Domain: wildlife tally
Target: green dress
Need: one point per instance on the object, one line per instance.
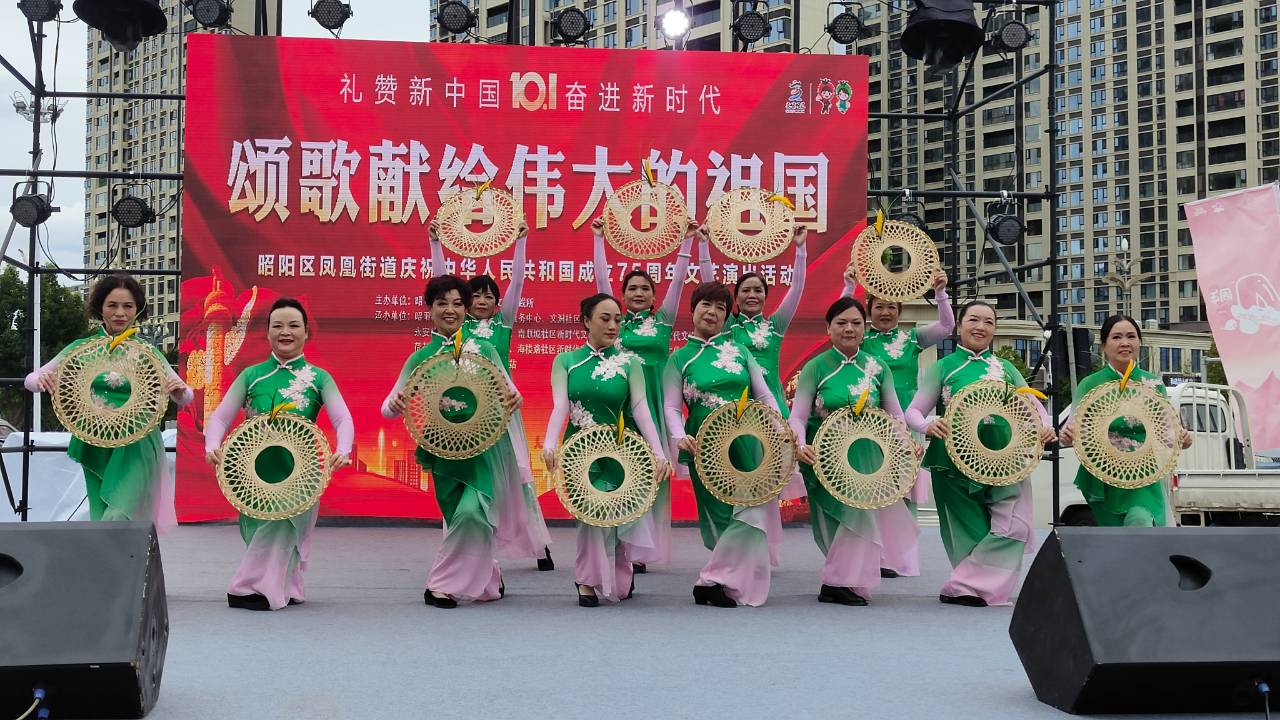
(648, 335)
(124, 483)
(763, 337)
(900, 350)
(1112, 506)
(494, 331)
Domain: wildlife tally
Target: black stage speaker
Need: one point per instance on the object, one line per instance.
(1151, 620)
(83, 615)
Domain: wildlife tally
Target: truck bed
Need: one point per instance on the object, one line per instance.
(1236, 490)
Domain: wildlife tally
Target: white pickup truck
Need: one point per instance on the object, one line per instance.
(1218, 481)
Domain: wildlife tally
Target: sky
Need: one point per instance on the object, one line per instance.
(371, 20)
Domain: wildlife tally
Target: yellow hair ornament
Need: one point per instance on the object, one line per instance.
(115, 341)
(1124, 380)
(862, 400)
(647, 170)
(281, 408)
(742, 401)
(782, 199)
(1032, 392)
(480, 190)
(457, 344)
(622, 427)
(879, 222)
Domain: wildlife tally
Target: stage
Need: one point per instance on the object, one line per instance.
(365, 646)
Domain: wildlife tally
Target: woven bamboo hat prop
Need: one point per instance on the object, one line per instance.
(496, 209)
(606, 508)
(662, 213)
(715, 466)
(122, 364)
(437, 396)
(751, 225)
(868, 260)
(966, 412)
(1150, 460)
(885, 485)
(266, 440)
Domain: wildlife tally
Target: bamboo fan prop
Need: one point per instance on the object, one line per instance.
(1148, 461)
(909, 283)
(714, 461)
(456, 407)
(968, 411)
(879, 488)
(751, 225)
(496, 209)
(274, 468)
(593, 505)
(662, 214)
(110, 391)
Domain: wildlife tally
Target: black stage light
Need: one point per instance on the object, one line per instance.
(455, 17)
(1005, 228)
(750, 26)
(569, 25)
(40, 10)
(331, 14)
(211, 13)
(1011, 37)
(32, 207)
(132, 211)
(124, 23)
(846, 28)
(942, 32)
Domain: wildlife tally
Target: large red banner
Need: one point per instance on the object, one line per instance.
(314, 166)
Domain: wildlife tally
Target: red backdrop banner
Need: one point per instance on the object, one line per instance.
(314, 166)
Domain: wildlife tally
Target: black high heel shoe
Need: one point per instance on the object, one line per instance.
(713, 595)
(587, 600)
(444, 603)
(248, 602)
(965, 600)
(639, 568)
(840, 596)
(545, 563)
(887, 573)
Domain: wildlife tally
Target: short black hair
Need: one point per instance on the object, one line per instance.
(712, 292)
(844, 303)
(973, 304)
(484, 282)
(872, 300)
(288, 302)
(589, 303)
(639, 273)
(116, 281)
(747, 276)
(438, 286)
(1111, 322)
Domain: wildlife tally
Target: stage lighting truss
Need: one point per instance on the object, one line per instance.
(1011, 37)
(1003, 224)
(455, 17)
(674, 24)
(211, 13)
(31, 206)
(847, 27)
(750, 26)
(131, 210)
(569, 26)
(40, 10)
(330, 14)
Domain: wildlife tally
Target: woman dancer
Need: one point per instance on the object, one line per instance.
(270, 573)
(985, 529)
(1113, 506)
(712, 370)
(594, 385)
(129, 482)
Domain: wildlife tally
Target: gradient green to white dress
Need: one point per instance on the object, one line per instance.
(1113, 506)
(472, 493)
(700, 377)
(523, 532)
(850, 538)
(128, 483)
(647, 334)
(986, 530)
(593, 386)
(278, 551)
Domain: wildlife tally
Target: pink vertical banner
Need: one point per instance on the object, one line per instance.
(1236, 237)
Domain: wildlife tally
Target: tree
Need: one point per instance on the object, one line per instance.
(1216, 372)
(63, 319)
(1008, 353)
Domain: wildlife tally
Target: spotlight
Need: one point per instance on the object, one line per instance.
(211, 13)
(674, 24)
(846, 28)
(913, 219)
(331, 14)
(40, 10)
(569, 25)
(455, 17)
(32, 207)
(124, 23)
(750, 26)
(1011, 37)
(942, 32)
(132, 211)
(1005, 228)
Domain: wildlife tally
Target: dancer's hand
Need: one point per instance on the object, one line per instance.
(213, 457)
(549, 459)
(513, 402)
(523, 232)
(805, 454)
(939, 428)
(47, 381)
(397, 403)
(597, 226)
(1184, 438)
(940, 281)
(433, 231)
(174, 384)
(337, 461)
(1068, 436)
(800, 234)
(661, 469)
(1047, 435)
(686, 444)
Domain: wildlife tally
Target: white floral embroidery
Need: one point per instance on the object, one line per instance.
(727, 358)
(295, 392)
(612, 366)
(483, 329)
(820, 406)
(899, 344)
(580, 416)
(946, 395)
(647, 327)
(471, 346)
(1123, 443)
(114, 379)
(759, 333)
(693, 395)
(100, 402)
(1151, 382)
(447, 403)
(995, 368)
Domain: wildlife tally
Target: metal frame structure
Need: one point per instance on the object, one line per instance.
(952, 117)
